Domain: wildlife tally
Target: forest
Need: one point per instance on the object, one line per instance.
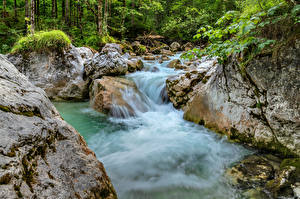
(150, 99)
(94, 22)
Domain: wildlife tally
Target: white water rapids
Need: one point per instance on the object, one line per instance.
(157, 154)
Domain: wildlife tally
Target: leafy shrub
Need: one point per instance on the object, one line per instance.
(97, 42)
(236, 33)
(54, 40)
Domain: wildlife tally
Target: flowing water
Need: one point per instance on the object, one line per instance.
(156, 154)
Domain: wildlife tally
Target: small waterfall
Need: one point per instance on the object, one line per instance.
(154, 153)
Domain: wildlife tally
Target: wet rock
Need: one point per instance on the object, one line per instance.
(60, 75)
(266, 176)
(135, 65)
(257, 105)
(117, 97)
(138, 48)
(188, 46)
(174, 63)
(175, 46)
(41, 156)
(251, 172)
(180, 88)
(149, 57)
(166, 52)
(164, 95)
(108, 62)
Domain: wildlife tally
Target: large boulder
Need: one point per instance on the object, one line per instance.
(258, 105)
(60, 75)
(118, 97)
(110, 62)
(41, 156)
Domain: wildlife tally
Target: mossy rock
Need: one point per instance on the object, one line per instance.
(54, 40)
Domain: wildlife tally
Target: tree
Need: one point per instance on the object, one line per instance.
(100, 18)
(32, 16)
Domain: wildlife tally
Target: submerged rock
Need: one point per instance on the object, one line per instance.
(117, 97)
(264, 176)
(258, 105)
(60, 75)
(41, 156)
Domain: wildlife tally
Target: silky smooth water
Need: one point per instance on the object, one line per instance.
(157, 154)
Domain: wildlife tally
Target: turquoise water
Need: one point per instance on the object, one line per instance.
(157, 154)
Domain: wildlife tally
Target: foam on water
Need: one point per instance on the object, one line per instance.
(157, 154)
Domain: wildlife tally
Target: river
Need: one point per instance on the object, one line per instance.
(157, 154)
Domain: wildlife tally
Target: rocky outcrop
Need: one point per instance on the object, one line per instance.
(60, 75)
(118, 97)
(258, 104)
(41, 156)
(110, 62)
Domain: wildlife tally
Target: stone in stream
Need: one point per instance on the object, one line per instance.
(60, 75)
(41, 156)
(265, 176)
(175, 46)
(135, 65)
(149, 57)
(257, 105)
(118, 97)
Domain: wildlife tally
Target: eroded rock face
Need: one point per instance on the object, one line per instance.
(41, 156)
(59, 75)
(259, 106)
(118, 97)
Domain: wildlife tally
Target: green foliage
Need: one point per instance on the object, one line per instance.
(54, 40)
(96, 41)
(235, 33)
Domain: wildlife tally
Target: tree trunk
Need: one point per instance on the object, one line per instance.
(105, 17)
(32, 17)
(56, 9)
(4, 9)
(44, 8)
(67, 20)
(53, 8)
(132, 16)
(100, 19)
(15, 10)
(63, 8)
(26, 16)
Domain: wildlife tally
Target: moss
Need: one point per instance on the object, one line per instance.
(295, 162)
(4, 108)
(17, 190)
(54, 40)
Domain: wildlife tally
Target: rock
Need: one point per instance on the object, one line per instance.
(266, 176)
(41, 156)
(60, 75)
(188, 46)
(138, 48)
(108, 62)
(258, 106)
(296, 189)
(164, 95)
(180, 88)
(149, 57)
(251, 172)
(156, 51)
(175, 46)
(117, 97)
(135, 65)
(166, 52)
(174, 63)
